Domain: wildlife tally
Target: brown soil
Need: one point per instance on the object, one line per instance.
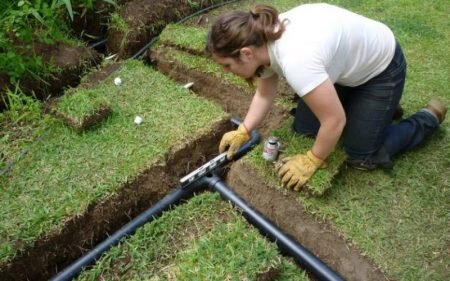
(92, 24)
(145, 19)
(103, 72)
(93, 78)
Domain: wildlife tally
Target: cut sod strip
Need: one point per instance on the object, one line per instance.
(83, 109)
(188, 38)
(204, 65)
(185, 44)
(67, 172)
(210, 81)
(292, 144)
(204, 239)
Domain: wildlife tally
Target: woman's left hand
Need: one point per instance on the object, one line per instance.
(295, 171)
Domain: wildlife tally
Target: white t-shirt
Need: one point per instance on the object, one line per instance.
(323, 41)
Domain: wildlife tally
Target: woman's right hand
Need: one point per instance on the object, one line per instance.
(234, 140)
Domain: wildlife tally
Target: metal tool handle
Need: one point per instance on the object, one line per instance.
(221, 160)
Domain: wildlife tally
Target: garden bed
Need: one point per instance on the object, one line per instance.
(366, 226)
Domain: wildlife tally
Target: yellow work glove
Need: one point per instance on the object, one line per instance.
(233, 140)
(295, 171)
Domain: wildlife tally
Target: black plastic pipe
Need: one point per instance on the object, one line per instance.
(98, 44)
(286, 244)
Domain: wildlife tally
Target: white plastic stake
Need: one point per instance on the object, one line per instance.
(137, 120)
(189, 85)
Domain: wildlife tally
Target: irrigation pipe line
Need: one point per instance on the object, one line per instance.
(198, 180)
(174, 198)
(10, 165)
(98, 43)
(24, 151)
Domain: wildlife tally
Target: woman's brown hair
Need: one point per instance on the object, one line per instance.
(235, 30)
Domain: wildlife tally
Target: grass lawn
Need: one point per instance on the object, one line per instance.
(21, 127)
(186, 44)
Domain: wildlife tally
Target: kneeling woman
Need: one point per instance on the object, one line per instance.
(348, 70)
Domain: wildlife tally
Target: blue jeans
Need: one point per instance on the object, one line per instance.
(368, 134)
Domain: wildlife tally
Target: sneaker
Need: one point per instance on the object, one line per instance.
(380, 159)
(398, 114)
(293, 111)
(368, 165)
(437, 108)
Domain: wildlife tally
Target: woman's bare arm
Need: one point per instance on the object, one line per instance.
(326, 106)
(261, 103)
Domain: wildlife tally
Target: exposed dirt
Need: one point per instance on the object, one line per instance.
(144, 19)
(320, 237)
(103, 72)
(92, 24)
(93, 78)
